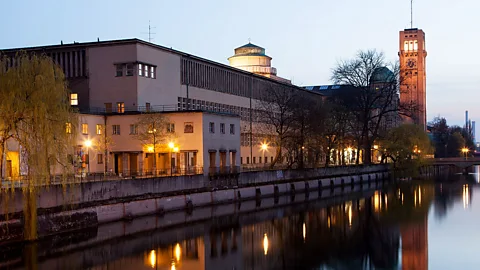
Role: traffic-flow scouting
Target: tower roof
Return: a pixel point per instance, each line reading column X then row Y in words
column 250, row 49
column 382, row 75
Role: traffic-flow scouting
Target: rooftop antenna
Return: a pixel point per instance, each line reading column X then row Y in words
column 411, row 13
column 150, row 33
column 248, row 40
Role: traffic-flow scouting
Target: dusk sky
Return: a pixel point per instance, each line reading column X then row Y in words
column 305, row 37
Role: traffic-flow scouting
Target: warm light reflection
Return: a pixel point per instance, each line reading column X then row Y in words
column 466, row 197
column 152, row 257
column 350, row 216
column 265, row 244
column 375, row 146
column 178, row 252
column 328, row 222
column 304, row 231
column 173, row 266
column 376, row 201
column 386, row 201
column 419, row 196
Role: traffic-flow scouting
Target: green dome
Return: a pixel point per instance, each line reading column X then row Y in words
column 382, row 75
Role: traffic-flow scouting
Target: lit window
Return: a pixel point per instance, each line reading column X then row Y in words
column 99, row 158
column 84, row 128
column 212, row 127
column 120, row 107
column 140, row 70
column 152, row 72
column 415, row 45
column 68, row 128
column 116, row 129
column 171, row 127
column 222, row 128
column 405, row 46
column 99, row 129
column 410, row 46
column 146, row 71
column 119, row 71
column 232, row 128
column 74, row 99
column 129, row 70
column 133, row 129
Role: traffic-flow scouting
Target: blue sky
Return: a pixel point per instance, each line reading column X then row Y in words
column 305, row 37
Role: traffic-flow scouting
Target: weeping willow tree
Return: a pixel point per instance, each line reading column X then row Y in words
column 35, row 112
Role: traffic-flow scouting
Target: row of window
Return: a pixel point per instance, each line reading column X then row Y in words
column 196, row 104
column 128, row 69
column 254, row 160
column 211, row 128
column 411, row 45
column 188, row 127
column 219, row 79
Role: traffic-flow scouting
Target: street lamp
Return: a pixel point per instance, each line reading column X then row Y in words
column 88, row 144
column 465, row 151
column 264, row 148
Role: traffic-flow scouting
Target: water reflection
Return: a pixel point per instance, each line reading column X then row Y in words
column 383, row 229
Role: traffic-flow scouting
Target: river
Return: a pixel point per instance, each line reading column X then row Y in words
column 409, row 225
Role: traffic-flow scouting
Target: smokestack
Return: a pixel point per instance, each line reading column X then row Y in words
column 473, row 132
column 466, row 121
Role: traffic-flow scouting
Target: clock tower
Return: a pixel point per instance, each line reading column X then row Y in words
column 413, row 88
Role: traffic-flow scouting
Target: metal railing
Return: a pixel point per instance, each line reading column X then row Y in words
column 21, row 181
column 130, row 109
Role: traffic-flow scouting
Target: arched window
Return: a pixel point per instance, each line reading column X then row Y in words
column 405, row 46
column 415, row 45
column 410, row 46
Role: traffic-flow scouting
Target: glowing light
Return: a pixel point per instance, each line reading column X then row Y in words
column 376, row 201
column 173, row 266
column 152, row 257
column 88, row 143
column 150, row 149
column 265, row 244
column 375, row 146
column 178, row 252
column 350, row 216
column 328, row 222
column 175, row 149
column 464, row 150
column 466, row 197
column 419, row 196
column 349, row 149
column 171, row 145
column 264, row 146
column 304, row 231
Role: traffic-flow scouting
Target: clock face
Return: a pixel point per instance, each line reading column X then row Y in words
column 411, row 63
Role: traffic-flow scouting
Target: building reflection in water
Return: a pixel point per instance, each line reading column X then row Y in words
column 357, row 234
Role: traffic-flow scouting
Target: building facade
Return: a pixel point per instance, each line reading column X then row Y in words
column 413, row 86
column 128, row 76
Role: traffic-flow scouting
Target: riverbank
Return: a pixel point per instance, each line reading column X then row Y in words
column 85, row 205
column 83, row 247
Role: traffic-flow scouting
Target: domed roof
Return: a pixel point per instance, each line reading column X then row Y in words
column 382, row 75
column 250, row 49
column 249, row 45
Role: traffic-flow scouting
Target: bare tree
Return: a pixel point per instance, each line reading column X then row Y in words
column 373, row 96
column 151, row 130
column 276, row 113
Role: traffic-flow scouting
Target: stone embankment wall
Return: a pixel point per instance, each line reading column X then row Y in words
column 76, row 206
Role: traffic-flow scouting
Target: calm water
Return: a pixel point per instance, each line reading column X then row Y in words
column 417, row 225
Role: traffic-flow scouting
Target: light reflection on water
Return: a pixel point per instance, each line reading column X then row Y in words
column 418, row 225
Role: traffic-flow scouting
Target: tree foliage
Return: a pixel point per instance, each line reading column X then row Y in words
column 449, row 140
column 34, row 112
column 407, row 142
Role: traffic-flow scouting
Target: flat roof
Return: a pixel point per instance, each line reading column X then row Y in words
column 142, row 42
